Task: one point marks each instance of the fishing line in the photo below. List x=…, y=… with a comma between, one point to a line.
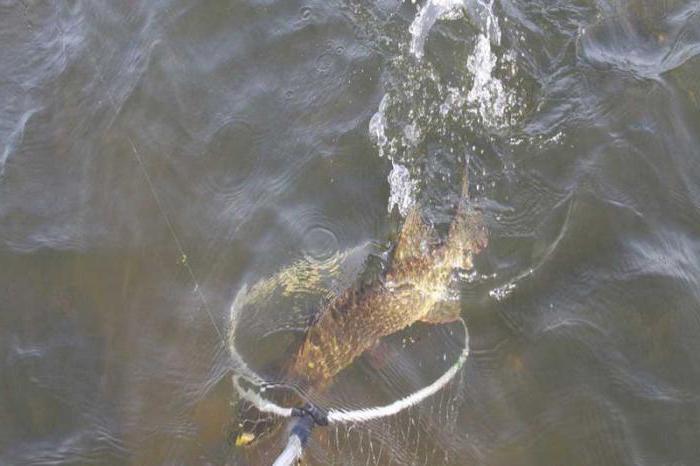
x=183, y=257
x=163, y=212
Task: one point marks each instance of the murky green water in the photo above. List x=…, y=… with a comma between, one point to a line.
x=158, y=155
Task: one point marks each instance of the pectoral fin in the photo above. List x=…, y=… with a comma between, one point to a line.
x=443, y=313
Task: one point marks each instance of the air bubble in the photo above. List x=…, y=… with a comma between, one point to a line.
x=320, y=243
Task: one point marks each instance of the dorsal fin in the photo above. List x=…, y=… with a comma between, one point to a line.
x=415, y=237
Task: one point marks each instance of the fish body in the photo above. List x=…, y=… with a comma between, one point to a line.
x=414, y=287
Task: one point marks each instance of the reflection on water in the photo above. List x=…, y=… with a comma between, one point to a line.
x=273, y=136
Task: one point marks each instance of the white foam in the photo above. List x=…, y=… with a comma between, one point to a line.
x=487, y=92
x=377, y=125
x=454, y=100
x=426, y=18
x=502, y=292
x=480, y=11
x=402, y=189
x=411, y=134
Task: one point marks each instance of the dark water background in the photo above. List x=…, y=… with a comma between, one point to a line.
x=244, y=129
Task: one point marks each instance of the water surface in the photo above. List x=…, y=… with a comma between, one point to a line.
x=157, y=155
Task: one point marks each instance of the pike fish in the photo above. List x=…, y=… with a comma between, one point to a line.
x=413, y=288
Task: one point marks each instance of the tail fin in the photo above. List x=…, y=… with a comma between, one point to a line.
x=468, y=235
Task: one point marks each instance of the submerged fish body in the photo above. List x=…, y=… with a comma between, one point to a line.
x=415, y=287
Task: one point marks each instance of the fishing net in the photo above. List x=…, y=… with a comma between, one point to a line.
x=274, y=313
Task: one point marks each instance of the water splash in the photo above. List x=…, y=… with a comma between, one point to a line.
x=502, y=292
x=377, y=125
x=426, y=18
x=424, y=106
x=402, y=189
x=487, y=94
